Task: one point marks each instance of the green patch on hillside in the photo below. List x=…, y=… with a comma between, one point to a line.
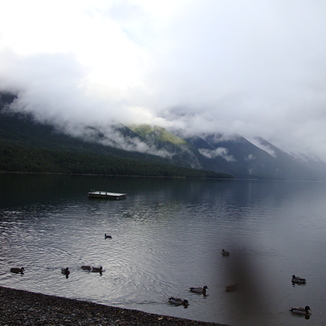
x=158, y=133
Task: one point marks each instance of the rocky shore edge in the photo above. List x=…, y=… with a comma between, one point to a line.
x=18, y=307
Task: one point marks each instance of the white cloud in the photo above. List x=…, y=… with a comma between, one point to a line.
x=262, y=146
x=250, y=157
x=253, y=68
x=220, y=151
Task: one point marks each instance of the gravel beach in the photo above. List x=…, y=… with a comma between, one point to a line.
x=19, y=307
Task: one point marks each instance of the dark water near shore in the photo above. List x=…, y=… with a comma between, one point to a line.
x=167, y=236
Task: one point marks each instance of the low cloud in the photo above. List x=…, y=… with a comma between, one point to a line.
x=253, y=68
x=263, y=145
x=250, y=157
x=220, y=151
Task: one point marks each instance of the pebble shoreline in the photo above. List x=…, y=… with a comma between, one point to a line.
x=19, y=307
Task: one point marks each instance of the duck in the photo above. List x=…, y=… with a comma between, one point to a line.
x=17, y=270
x=231, y=288
x=65, y=271
x=301, y=311
x=97, y=270
x=86, y=268
x=199, y=290
x=225, y=253
x=106, y=236
x=298, y=280
x=178, y=302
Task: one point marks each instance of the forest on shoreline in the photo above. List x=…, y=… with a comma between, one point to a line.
x=35, y=160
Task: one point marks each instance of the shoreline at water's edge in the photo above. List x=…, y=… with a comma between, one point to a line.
x=20, y=307
x=120, y=175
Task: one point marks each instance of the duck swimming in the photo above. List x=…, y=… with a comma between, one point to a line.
x=301, y=311
x=65, y=271
x=199, y=290
x=178, y=302
x=225, y=253
x=231, y=288
x=97, y=270
x=17, y=270
x=298, y=280
x=86, y=268
x=106, y=236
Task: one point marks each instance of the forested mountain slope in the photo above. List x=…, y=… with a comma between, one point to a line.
x=29, y=146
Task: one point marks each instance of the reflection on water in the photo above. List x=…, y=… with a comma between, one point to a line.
x=167, y=236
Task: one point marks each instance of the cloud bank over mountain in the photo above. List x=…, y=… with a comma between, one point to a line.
x=251, y=68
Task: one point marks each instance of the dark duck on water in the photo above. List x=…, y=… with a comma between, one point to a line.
x=17, y=270
x=65, y=271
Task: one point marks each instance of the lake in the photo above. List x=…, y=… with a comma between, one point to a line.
x=167, y=236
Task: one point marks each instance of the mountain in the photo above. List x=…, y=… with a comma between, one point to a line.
x=245, y=159
x=29, y=146
x=119, y=149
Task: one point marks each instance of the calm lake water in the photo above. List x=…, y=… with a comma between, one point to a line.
x=166, y=237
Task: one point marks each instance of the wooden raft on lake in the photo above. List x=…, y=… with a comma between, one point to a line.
x=106, y=195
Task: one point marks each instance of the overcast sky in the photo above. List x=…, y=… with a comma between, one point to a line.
x=254, y=67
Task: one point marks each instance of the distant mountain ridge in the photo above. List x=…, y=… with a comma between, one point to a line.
x=29, y=146
x=152, y=144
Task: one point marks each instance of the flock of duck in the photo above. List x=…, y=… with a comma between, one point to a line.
x=300, y=310
x=185, y=303
x=305, y=311
x=66, y=271
x=201, y=290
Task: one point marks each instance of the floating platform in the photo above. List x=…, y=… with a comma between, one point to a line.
x=106, y=195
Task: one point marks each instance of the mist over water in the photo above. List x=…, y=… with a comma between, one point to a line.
x=166, y=237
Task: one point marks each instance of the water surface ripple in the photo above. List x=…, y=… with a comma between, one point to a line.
x=166, y=237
